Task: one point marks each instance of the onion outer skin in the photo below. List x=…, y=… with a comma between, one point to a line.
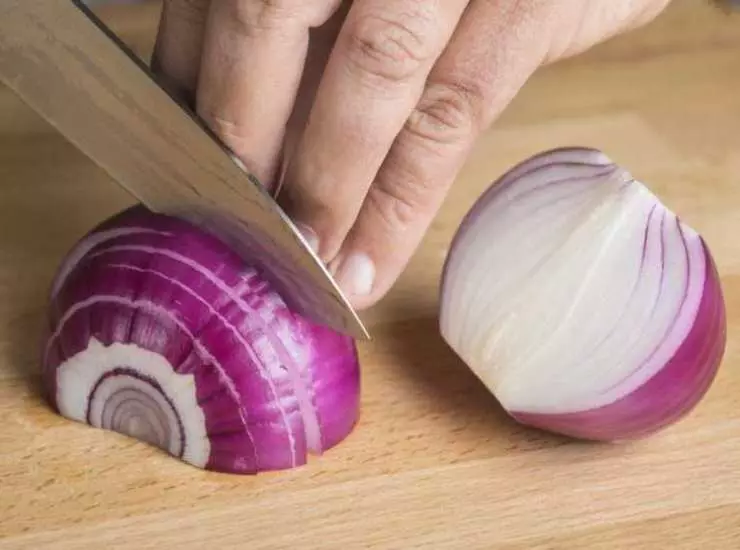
x=562, y=206
x=160, y=331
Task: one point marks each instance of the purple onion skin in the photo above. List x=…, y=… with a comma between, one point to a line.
x=668, y=396
x=294, y=390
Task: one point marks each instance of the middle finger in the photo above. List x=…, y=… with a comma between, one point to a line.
x=374, y=77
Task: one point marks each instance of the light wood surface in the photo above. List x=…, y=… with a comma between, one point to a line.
x=434, y=462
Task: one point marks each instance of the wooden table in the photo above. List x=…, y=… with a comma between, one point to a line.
x=434, y=462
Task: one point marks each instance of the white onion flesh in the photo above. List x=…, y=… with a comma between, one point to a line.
x=89, y=395
x=578, y=298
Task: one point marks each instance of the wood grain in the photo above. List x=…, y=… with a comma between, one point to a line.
x=434, y=462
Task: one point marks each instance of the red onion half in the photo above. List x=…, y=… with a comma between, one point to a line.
x=161, y=332
x=583, y=304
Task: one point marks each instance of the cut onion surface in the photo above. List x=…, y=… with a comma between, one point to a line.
x=161, y=332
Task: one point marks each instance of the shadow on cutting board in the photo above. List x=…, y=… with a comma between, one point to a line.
x=451, y=389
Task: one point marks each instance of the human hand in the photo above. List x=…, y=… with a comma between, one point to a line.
x=367, y=110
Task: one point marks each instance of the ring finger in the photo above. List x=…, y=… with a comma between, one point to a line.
x=496, y=47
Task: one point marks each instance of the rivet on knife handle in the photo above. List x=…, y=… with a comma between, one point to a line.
x=68, y=67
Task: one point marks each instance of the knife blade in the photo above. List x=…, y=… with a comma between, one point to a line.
x=74, y=72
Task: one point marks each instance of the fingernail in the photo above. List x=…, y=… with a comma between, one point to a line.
x=309, y=235
x=356, y=275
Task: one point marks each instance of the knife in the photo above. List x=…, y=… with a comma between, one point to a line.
x=74, y=72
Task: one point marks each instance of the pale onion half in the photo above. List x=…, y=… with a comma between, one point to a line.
x=581, y=302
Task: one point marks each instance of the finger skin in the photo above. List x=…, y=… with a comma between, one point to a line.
x=253, y=57
x=177, y=50
x=495, y=49
x=371, y=83
x=586, y=24
x=321, y=42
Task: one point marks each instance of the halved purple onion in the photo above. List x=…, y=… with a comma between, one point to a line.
x=582, y=302
x=160, y=331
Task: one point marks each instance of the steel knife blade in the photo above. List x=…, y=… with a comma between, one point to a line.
x=75, y=73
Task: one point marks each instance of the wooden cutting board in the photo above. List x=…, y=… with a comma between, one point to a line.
x=434, y=462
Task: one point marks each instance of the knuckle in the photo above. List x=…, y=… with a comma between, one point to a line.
x=448, y=112
x=398, y=201
x=394, y=209
x=390, y=49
